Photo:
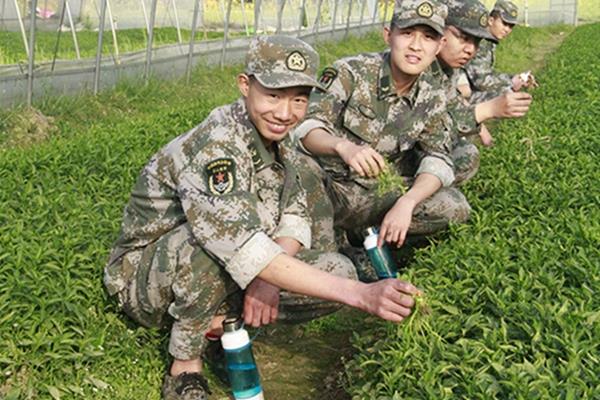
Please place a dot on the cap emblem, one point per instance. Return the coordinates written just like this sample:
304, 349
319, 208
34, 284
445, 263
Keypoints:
425, 10
296, 61
483, 21
513, 13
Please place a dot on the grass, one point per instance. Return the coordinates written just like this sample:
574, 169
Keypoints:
513, 293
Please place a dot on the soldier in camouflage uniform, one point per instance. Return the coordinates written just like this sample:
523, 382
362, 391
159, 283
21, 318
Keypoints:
483, 83
466, 26
387, 106
217, 223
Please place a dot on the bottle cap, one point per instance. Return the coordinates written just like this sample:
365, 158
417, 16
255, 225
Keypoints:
232, 324
371, 231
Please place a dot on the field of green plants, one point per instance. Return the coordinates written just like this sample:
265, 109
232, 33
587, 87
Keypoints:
513, 294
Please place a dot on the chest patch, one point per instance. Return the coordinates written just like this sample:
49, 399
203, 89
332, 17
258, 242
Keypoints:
220, 174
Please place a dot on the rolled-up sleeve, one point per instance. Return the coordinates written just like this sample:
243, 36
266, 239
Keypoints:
294, 227
228, 225
439, 166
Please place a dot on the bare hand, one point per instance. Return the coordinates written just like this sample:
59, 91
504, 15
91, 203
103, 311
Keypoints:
390, 299
261, 303
512, 104
396, 222
362, 159
486, 136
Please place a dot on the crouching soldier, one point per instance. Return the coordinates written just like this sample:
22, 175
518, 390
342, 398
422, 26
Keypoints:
466, 26
217, 223
387, 107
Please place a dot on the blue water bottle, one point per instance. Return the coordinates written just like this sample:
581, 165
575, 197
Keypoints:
380, 257
241, 367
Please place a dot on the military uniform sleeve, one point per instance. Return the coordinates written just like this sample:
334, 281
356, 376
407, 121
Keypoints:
325, 108
485, 82
435, 145
295, 221
222, 212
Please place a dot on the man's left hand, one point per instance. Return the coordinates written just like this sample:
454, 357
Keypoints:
261, 303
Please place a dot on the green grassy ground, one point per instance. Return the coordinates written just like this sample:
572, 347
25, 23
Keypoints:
61, 205
513, 293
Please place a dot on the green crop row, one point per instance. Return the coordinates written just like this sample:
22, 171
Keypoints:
513, 293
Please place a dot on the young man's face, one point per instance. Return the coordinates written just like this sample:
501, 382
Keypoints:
412, 49
499, 28
460, 47
274, 112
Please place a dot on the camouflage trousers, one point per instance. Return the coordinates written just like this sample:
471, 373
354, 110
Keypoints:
354, 205
174, 283
465, 157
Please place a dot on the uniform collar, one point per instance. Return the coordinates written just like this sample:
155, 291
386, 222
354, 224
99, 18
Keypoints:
261, 156
385, 86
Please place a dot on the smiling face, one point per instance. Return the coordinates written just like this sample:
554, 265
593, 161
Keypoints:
274, 112
412, 49
499, 28
459, 49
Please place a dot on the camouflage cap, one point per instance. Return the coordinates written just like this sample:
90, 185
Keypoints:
508, 11
279, 61
409, 13
470, 16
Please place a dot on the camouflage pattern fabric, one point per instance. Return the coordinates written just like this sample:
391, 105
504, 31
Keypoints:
485, 82
508, 11
363, 107
469, 16
279, 61
462, 114
409, 13
175, 282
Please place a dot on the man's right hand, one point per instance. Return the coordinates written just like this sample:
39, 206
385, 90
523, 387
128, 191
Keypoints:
362, 159
390, 299
512, 104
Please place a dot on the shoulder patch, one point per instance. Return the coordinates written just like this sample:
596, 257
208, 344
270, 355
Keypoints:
220, 175
328, 76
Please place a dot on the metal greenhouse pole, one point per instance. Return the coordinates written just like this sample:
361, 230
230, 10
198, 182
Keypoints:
243, 4
188, 68
362, 12
145, 16
348, 19
31, 52
301, 17
318, 18
257, 5
58, 35
280, 7
334, 17
113, 30
225, 33
22, 27
150, 39
99, 49
73, 33
385, 11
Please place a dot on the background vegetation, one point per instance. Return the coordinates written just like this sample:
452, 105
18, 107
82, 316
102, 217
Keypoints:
512, 292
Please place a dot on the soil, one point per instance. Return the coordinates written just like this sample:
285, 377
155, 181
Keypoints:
302, 362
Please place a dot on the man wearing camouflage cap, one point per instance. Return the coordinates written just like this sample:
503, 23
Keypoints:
483, 82
217, 223
385, 106
466, 26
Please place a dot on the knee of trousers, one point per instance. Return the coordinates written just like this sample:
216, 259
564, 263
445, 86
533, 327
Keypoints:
448, 205
466, 160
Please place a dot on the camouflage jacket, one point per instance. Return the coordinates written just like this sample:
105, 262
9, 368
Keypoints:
362, 106
485, 83
236, 194
461, 112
